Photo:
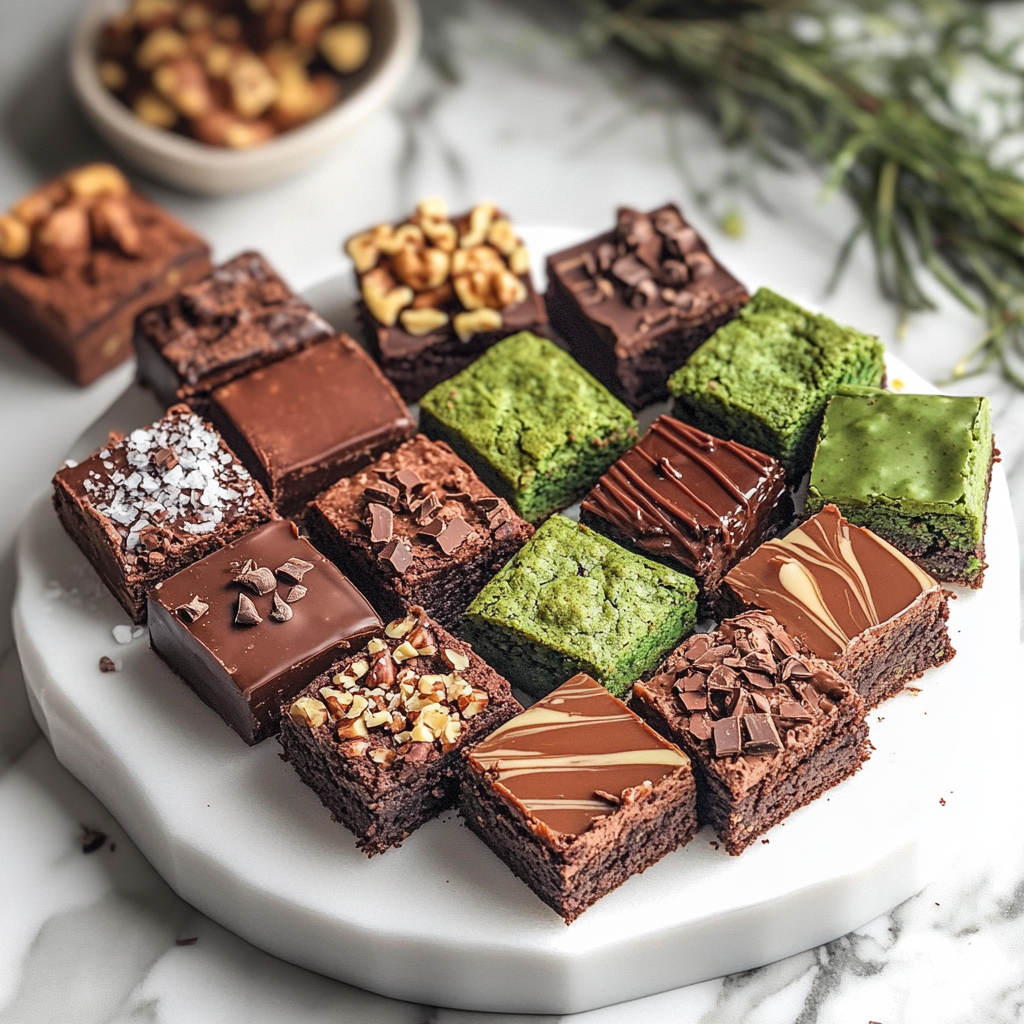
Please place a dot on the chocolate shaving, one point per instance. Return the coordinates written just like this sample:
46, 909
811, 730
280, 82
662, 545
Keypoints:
505, 530
294, 569
794, 669
296, 593
92, 839
260, 581
795, 712
700, 727
433, 528
246, 615
691, 681
727, 737
724, 678
453, 535
382, 521
427, 509
693, 701
488, 505
713, 656
192, 611
762, 703
697, 647
382, 492
763, 736
611, 798
107, 664
399, 555
408, 480
281, 612
164, 458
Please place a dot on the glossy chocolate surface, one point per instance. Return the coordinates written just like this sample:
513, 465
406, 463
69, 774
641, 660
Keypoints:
567, 760
828, 581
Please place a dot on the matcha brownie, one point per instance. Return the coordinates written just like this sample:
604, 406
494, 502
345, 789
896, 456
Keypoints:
915, 470
536, 427
765, 378
571, 600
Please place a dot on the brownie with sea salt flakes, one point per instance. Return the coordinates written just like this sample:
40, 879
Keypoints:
145, 506
769, 728
850, 598
240, 317
418, 527
577, 794
379, 737
633, 303
249, 625
306, 420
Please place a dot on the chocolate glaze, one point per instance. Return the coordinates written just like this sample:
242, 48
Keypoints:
687, 495
554, 758
828, 581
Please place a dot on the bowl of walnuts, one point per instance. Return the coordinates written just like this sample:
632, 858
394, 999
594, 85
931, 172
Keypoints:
222, 96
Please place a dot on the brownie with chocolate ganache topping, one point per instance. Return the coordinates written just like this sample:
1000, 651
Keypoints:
914, 469
240, 317
417, 527
851, 599
80, 257
306, 420
577, 794
436, 292
691, 500
634, 302
768, 727
248, 626
145, 506
379, 736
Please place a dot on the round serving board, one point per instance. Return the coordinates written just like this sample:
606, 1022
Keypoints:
441, 920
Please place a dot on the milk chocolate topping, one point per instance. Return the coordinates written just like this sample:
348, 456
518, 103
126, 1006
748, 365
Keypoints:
554, 758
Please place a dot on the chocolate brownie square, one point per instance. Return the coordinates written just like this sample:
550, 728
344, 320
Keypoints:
634, 302
537, 428
690, 499
418, 527
143, 508
765, 378
243, 316
851, 599
248, 626
768, 727
379, 737
79, 258
577, 794
915, 470
437, 292
571, 600
301, 423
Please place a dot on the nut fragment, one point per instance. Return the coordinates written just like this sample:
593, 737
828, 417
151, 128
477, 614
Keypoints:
354, 748
480, 218
404, 651
420, 322
183, 83
253, 87
150, 108
400, 627
383, 756
352, 728
309, 18
383, 303
519, 261
376, 645
15, 237
421, 269
161, 44
478, 321
362, 250
502, 236
392, 240
62, 240
422, 734
455, 659
112, 75
112, 222
345, 46
308, 711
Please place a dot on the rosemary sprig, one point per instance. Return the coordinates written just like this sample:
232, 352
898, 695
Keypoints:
868, 90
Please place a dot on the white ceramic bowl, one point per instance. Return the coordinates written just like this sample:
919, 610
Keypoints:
211, 170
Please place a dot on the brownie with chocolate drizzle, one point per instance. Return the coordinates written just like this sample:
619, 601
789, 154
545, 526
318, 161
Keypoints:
418, 527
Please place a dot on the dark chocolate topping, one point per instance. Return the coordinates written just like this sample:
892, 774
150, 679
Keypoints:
398, 554
381, 520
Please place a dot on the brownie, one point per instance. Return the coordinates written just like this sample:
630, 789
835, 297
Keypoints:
301, 423
577, 794
437, 292
765, 378
146, 506
915, 470
634, 302
79, 258
243, 316
573, 601
768, 727
418, 527
250, 625
691, 499
537, 428
379, 737
851, 599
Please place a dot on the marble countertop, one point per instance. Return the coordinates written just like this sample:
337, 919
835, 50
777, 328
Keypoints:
100, 937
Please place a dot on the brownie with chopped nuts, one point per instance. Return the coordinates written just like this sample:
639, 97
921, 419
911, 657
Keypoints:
769, 727
633, 303
417, 527
577, 794
79, 257
240, 317
437, 292
379, 736
249, 625
301, 423
144, 507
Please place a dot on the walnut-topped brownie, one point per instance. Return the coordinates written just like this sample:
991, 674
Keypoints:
437, 291
79, 257
850, 598
418, 527
379, 737
769, 728
577, 794
634, 302
241, 317
144, 507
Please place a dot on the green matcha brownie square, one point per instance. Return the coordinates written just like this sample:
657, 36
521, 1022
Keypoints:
573, 601
536, 427
765, 378
915, 470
